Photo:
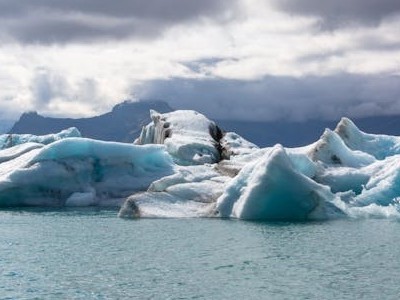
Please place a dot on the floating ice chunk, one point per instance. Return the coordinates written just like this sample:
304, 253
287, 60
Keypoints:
189, 136
331, 150
163, 205
63, 172
271, 189
10, 140
378, 145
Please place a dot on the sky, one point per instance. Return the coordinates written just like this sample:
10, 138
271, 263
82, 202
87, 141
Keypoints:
229, 59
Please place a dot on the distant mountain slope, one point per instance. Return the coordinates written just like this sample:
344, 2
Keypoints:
294, 134
122, 124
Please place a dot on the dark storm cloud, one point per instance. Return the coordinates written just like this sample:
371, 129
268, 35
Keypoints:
277, 98
47, 21
339, 13
198, 66
375, 43
320, 56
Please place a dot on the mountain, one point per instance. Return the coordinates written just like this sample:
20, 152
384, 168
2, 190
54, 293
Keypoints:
294, 134
122, 124
125, 121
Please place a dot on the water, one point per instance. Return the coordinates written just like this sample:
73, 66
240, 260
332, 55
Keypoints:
91, 254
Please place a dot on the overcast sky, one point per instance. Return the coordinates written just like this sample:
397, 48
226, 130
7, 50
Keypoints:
241, 59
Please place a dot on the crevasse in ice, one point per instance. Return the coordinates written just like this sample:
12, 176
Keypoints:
184, 165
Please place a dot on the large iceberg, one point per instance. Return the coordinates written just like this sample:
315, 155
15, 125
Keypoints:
184, 165
79, 172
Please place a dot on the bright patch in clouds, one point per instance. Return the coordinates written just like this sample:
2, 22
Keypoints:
288, 59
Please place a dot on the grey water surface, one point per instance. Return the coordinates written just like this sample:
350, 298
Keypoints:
92, 254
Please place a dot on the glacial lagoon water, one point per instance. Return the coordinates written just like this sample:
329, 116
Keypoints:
92, 254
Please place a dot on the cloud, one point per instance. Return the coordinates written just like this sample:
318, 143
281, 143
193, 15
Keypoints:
46, 86
59, 21
282, 97
81, 57
342, 13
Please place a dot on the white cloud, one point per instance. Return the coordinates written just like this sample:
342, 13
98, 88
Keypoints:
254, 42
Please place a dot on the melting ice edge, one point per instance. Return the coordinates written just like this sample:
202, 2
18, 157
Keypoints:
184, 165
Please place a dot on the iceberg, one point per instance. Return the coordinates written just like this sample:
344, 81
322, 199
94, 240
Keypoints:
10, 140
271, 189
80, 172
185, 165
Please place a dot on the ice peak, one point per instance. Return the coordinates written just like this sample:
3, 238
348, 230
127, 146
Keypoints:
347, 130
332, 150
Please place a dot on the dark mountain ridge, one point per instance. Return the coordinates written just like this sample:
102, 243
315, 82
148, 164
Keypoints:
125, 121
122, 124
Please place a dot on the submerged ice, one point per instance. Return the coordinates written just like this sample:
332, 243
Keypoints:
184, 165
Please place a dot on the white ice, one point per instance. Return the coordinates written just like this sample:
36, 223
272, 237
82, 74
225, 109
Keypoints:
188, 135
378, 145
10, 140
271, 189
